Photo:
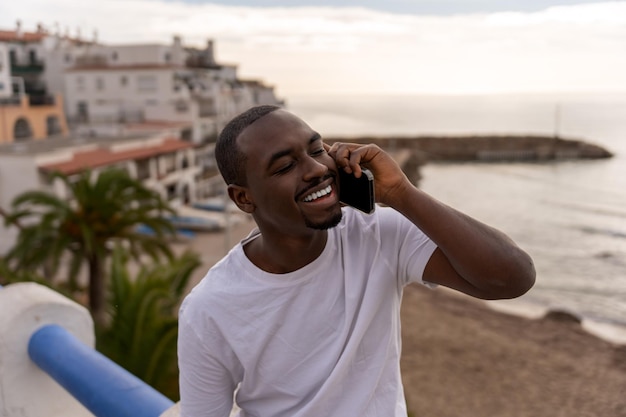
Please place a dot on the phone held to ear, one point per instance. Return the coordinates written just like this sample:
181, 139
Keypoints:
357, 192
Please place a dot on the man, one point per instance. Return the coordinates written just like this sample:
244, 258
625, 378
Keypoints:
302, 317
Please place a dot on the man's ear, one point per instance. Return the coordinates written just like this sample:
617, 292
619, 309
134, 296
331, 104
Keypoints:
241, 198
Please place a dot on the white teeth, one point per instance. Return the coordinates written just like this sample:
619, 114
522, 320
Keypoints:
318, 194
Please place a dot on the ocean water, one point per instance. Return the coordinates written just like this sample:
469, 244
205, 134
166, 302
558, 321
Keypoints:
569, 215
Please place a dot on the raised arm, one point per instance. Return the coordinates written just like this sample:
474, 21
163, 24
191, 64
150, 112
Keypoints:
471, 257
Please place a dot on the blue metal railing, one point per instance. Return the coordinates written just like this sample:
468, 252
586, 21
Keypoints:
102, 386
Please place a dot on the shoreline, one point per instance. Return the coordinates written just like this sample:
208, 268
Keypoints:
607, 330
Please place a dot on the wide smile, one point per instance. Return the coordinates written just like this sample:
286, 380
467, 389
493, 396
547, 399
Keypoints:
318, 194
324, 192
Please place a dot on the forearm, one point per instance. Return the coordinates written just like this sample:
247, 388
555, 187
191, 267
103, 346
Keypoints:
490, 263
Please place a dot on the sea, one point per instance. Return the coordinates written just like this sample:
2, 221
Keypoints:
569, 215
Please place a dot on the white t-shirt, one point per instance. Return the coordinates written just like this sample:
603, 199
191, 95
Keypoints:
322, 341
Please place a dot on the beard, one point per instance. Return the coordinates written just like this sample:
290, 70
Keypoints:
329, 223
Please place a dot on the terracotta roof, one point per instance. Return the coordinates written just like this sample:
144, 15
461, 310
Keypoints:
102, 157
11, 36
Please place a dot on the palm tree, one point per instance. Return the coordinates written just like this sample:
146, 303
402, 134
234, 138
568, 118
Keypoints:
142, 333
98, 212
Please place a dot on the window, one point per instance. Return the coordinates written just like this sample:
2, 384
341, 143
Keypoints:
99, 84
143, 169
53, 126
123, 81
22, 129
114, 56
181, 106
146, 83
171, 191
82, 111
80, 83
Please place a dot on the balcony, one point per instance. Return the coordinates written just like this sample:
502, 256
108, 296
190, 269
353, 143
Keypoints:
35, 67
41, 100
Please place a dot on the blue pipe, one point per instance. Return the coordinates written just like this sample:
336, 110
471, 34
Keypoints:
102, 386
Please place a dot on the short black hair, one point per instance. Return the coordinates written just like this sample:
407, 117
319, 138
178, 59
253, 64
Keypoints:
230, 160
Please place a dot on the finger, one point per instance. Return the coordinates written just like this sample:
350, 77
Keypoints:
341, 153
355, 162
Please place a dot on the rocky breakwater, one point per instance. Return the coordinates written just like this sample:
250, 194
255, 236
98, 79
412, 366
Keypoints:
412, 152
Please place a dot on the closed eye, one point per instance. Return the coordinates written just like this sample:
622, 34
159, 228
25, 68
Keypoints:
284, 168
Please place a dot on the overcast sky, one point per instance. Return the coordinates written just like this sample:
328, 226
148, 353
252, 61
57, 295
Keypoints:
430, 7
392, 46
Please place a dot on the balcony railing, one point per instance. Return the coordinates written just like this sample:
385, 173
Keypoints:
38, 325
30, 68
102, 386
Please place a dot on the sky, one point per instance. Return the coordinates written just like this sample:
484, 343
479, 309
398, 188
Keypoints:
371, 47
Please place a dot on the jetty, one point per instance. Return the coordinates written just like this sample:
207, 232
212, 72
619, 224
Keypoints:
413, 152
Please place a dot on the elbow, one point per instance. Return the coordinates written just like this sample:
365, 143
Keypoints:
518, 280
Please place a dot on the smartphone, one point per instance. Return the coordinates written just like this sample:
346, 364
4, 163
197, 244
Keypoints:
357, 192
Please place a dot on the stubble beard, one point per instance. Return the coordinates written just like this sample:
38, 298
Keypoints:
325, 225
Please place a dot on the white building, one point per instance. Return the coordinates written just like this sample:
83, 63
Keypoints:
5, 73
120, 83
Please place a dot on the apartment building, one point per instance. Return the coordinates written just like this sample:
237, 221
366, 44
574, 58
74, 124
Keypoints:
131, 83
27, 109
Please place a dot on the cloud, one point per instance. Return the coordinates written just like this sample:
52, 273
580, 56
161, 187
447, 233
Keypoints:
331, 50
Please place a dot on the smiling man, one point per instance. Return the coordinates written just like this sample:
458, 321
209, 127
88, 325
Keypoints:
302, 318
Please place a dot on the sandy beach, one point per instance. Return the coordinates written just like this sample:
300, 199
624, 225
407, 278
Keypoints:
462, 358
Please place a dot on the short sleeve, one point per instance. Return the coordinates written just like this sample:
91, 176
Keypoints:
413, 248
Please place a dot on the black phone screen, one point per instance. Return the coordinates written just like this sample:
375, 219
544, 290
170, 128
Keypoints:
357, 192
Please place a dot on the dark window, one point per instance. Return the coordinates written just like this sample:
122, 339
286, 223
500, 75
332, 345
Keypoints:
53, 126
83, 111
22, 129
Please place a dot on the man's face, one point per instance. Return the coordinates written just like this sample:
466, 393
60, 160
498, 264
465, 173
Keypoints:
291, 178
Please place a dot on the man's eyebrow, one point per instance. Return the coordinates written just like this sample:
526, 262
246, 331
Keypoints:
314, 138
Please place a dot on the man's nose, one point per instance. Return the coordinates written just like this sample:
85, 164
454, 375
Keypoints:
314, 169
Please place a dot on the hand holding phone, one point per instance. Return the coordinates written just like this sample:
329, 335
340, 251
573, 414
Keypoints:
357, 192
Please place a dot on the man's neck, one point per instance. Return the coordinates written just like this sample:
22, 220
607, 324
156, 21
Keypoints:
287, 254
